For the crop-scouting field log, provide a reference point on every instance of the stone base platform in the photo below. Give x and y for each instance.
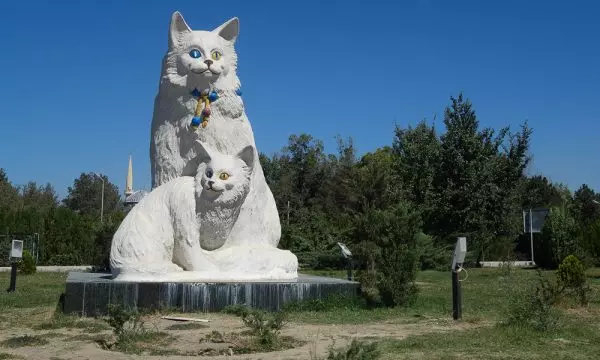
(89, 294)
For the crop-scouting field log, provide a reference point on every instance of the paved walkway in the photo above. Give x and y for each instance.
(54, 268)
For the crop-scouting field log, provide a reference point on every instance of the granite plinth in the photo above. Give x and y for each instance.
(89, 294)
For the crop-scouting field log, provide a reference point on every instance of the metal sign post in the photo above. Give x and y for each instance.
(460, 250)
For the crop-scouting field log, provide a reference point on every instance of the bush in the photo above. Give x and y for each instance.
(27, 265)
(398, 261)
(534, 306)
(571, 276)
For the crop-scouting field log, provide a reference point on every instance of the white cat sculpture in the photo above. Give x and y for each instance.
(179, 225)
(211, 214)
(204, 63)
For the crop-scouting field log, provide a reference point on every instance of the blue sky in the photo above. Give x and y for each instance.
(79, 78)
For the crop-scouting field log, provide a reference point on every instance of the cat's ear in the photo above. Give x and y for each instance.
(229, 30)
(204, 152)
(247, 156)
(178, 27)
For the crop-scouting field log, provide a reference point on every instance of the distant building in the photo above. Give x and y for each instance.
(132, 197)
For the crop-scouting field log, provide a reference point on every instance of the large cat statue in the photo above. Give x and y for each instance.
(177, 231)
(203, 62)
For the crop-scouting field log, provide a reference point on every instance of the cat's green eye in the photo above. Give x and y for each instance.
(224, 176)
(216, 55)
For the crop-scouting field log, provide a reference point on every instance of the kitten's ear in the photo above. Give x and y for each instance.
(247, 156)
(229, 30)
(204, 152)
(178, 27)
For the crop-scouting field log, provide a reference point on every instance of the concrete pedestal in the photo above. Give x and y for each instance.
(89, 294)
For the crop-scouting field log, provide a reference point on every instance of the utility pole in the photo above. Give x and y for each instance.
(102, 203)
(101, 200)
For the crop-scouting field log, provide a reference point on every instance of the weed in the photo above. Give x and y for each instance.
(129, 330)
(265, 326)
(357, 350)
(214, 337)
(25, 340)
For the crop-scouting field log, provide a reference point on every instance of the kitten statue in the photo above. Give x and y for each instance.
(162, 234)
(207, 61)
(181, 224)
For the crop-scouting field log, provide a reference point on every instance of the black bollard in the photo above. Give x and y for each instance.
(13, 278)
(456, 296)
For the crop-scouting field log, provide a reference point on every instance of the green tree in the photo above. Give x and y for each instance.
(417, 152)
(558, 238)
(69, 238)
(585, 210)
(85, 196)
(538, 191)
(39, 197)
(477, 183)
(9, 194)
(370, 191)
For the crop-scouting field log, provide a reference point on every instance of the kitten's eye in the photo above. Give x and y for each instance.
(216, 55)
(195, 53)
(209, 173)
(224, 176)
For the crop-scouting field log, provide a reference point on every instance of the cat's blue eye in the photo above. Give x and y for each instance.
(195, 53)
(209, 173)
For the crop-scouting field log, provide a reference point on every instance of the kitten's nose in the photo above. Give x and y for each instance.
(208, 62)
(210, 183)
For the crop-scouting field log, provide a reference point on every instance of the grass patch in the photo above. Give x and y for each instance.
(86, 337)
(60, 321)
(7, 356)
(36, 290)
(25, 340)
(483, 297)
(140, 342)
(187, 326)
(500, 342)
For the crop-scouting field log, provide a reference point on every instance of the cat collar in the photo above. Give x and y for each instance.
(201, 115)
(205, 97)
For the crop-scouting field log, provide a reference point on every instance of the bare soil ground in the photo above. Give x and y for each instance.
(81, 342)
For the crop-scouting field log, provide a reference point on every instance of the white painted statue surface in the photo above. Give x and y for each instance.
(211, 214)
